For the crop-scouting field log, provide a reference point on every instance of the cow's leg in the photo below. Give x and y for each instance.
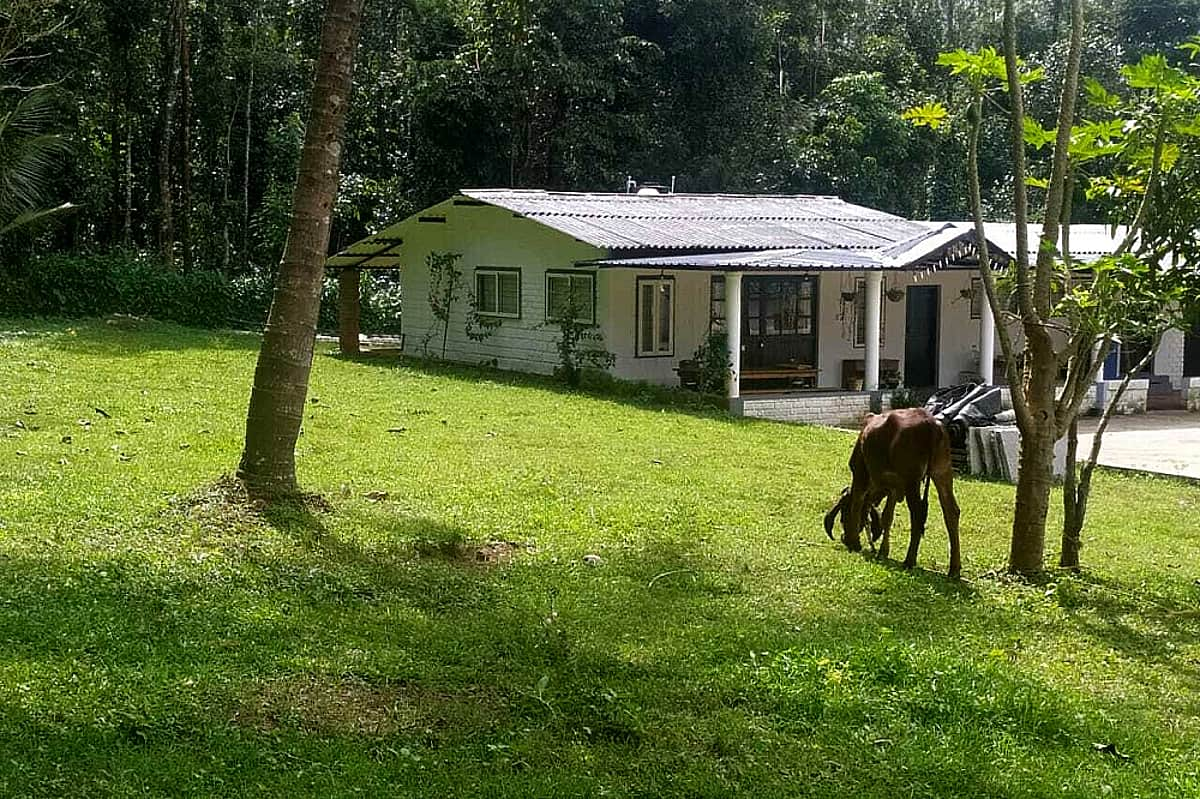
(889, 512)
(918, 511)
(872, 513)
(944, 482)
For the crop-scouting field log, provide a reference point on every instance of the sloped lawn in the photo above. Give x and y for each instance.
(431, 626)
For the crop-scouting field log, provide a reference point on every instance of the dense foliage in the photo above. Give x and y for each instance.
(74, 286)
(183, 118)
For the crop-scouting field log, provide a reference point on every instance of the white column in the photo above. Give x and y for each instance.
(987, 341)
(874, 315)
(733, 331)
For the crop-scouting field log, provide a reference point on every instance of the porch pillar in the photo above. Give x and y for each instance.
(987, 342)
(348, 311)
(874, 315)
(733, 332)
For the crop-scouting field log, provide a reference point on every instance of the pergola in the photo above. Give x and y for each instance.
(376, 252)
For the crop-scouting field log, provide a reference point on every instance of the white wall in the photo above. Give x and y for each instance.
(488, 236)
(958, 333)
(493, 237)
(619, 300)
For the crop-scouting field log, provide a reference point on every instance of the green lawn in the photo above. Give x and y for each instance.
(160, 639)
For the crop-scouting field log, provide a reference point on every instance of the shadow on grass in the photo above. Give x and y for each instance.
(122, 337)
(601, 387)
(1140, 627)
(661, 670)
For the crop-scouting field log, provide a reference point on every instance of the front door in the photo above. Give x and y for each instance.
(921, 337)
(1191, 353)
(779, 325)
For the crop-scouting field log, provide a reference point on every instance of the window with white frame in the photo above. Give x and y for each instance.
(860, 313)
(656, 316)
(498, 293)
(567, 290)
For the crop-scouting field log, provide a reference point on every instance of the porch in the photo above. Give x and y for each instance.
(824, 335)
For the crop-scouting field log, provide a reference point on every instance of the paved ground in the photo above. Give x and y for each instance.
(1165, 442)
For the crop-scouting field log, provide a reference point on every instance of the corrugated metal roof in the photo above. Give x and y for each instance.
(705, 221)
(937, 246)
(1088, 242)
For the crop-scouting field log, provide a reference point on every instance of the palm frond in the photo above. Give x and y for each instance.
(32, 216)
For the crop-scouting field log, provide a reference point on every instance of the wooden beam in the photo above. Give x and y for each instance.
(348, 310)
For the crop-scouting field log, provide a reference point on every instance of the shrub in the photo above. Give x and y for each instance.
(97, 284)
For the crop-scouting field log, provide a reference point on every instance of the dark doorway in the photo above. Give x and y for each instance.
(921, 337)
(1191, 353)
(779, 324)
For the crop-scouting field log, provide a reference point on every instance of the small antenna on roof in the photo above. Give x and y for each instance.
(630, 184)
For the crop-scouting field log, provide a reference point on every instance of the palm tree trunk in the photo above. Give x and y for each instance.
(268, 466)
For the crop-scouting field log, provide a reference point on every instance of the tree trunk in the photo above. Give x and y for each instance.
(185, 139)
(348, 311)
(246, 162)
(166, 112)
(1072, 541)
(1077, 488)
(268, 465)
(1036, 463)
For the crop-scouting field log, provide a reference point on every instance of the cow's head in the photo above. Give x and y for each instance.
(852, 528)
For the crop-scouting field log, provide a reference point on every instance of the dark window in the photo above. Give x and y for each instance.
(498, 292)
(564, 289)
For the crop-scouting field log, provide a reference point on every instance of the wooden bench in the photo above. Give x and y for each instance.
(796, 376)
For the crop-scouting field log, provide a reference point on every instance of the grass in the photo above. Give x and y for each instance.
(161, 638)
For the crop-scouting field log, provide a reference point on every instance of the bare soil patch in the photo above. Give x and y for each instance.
(350, 706)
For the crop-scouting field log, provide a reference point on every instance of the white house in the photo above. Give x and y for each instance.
(834, 301)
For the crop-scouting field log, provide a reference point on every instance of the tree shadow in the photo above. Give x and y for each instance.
(123, 337)
(645, 396)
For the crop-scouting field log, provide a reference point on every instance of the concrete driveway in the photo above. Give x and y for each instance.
(1164, 442)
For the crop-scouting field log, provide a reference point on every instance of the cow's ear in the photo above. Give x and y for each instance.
(832, 515)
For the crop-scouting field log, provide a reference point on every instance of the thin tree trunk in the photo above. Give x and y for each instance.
(268, 465)
(1075, 501)
(1072, 542)
(117, 113)
(246, 152)
(226, 211)
(185, 139)
(127, 227)
(166, 111)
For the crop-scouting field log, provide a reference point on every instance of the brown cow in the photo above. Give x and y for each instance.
(896, 451)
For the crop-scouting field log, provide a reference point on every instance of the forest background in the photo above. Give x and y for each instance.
(173, 129)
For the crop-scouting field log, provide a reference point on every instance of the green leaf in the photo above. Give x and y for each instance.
(933, 115)
(1037, 136)
(1153, 72)
(1037, 183)
(1100, 97)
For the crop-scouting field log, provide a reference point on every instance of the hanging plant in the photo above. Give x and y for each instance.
(895, 294)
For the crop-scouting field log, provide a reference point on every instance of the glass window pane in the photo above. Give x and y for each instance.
(647, 317)
(558, 293)
(485, 292)
(581, 292)
(664, 317)
(509, 291)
